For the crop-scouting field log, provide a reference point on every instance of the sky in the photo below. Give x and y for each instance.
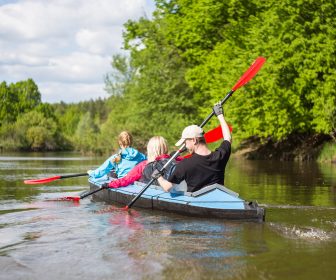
(65, 46)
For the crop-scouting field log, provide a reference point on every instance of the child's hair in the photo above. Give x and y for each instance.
(156, 146)
(125, 139)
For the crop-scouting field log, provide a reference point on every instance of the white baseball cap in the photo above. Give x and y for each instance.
(191, 131)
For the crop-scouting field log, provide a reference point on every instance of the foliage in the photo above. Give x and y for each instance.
(328, 152)
(185, 59)
(190, 52)
(32, 131)
(17, 98)
(86, 134)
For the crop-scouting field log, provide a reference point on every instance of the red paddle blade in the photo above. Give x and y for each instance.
(250, 73)
(215, 134)
(212, 135)
(41, 181)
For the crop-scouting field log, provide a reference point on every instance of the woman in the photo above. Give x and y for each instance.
(122, 162)
(157, 156)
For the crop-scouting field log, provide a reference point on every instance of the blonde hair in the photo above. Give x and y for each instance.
(125, 139)
(156, 146)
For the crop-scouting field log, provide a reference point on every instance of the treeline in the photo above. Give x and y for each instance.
(186, 58)
(192, 52)
(27, 124)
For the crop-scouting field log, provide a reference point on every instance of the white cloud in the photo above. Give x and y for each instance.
(71, 92)
(64, 46)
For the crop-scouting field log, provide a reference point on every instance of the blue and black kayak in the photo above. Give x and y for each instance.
(214, 201)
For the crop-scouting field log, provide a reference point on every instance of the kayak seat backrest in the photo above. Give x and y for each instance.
(179, 189)
(141, 184)
(207, 189)
(182, 187)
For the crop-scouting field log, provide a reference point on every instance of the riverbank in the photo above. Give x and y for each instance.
(296, 147)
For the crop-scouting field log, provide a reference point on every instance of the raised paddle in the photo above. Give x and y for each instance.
(50, 179)
(247, 76)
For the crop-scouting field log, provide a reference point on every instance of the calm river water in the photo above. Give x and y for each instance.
(42, 239)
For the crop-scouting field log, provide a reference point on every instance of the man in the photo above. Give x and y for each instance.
(204, 167)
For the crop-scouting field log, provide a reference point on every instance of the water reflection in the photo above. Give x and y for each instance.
(91, 240)
(291, 183)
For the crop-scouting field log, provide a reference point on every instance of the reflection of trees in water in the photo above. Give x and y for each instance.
(17, 167)
(298, 183)
(329, 173)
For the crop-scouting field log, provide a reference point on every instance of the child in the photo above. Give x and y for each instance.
(122, 162)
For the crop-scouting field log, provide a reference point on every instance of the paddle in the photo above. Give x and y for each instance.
(247, 76)
(50, 179)
(215, 134)
(77, 198)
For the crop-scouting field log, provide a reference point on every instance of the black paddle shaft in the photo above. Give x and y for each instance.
(180, 150)
(73, 175)
(176, 153)
(212, 113)
(90, 193)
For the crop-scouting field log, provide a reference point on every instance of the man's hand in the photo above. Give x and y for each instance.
(218, 109)
(157, 174)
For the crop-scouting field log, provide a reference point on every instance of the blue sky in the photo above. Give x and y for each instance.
(65, 46)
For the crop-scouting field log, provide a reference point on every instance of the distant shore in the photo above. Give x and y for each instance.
(297, 147)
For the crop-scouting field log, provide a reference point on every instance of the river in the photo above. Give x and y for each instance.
(41, 238)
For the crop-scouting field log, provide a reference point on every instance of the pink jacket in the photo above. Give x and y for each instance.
(131, 177)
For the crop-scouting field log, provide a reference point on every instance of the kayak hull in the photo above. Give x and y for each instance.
(211, 202)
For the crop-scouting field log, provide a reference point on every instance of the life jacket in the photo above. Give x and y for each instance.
(158, 163)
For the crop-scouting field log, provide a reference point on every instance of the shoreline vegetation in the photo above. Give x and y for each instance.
(181, 61)
(298, 147)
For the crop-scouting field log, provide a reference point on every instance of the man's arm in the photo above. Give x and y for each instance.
(225, 128)
(218, 110)
(165, 184)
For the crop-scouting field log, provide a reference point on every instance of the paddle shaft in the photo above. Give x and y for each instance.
(73, 175)
(180, 150)
(90, 193)
(129, 205)
(212, 113)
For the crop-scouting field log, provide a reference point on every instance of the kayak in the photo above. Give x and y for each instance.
(215, 201)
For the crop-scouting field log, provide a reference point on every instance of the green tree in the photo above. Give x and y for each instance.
(37, 132)
(86, 134)
(191, 52)
(17, 98)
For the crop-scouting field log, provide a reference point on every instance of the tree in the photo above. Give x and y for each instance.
(17, 99)
(39, 132)
(190, 51)
(86, 134)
